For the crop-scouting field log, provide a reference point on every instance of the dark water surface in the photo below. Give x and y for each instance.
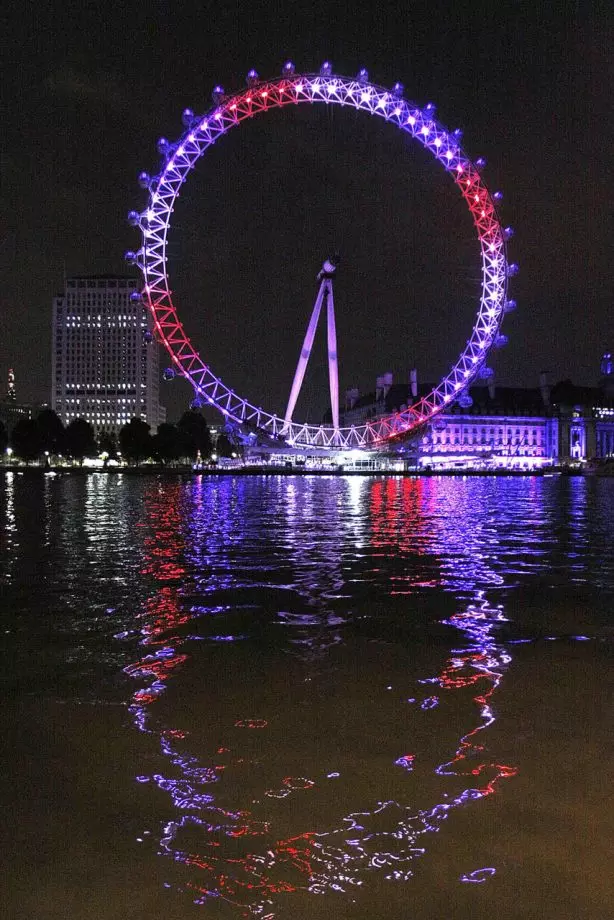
(307, 698)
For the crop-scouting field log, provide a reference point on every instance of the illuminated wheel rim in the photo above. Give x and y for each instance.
(292, 89)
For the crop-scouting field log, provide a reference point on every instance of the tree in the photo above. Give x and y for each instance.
(4, 439)
(223, 447)
(135, 440)
(79, 439)
(51, 432)
(194, 435)
(166, 443)
(107, 444)
(26, 440)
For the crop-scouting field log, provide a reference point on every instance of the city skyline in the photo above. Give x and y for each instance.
(546, 141)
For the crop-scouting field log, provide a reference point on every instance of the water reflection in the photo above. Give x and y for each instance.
(9, 545)
(329, 717)
(207, 542)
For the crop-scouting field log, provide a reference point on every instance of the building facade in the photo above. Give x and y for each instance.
(502, 426)
(105, 361)
(12, 411)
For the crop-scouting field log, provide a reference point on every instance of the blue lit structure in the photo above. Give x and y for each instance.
(325, 87)
(504, 426)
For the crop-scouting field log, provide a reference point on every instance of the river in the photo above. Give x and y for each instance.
(306, 697)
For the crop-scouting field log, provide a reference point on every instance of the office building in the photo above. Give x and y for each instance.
(105, 361)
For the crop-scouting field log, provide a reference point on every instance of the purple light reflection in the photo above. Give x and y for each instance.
(386, 836)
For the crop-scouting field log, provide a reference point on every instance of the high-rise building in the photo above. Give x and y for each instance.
(11, 393)
(105, 361)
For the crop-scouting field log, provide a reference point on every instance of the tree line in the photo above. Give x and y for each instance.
(45, 437)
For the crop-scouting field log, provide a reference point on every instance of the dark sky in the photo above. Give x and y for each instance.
(89, 87)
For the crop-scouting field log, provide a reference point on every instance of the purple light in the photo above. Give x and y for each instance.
(478, 875)
(430, 702)
(276, 93)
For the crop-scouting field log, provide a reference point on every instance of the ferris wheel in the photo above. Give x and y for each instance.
(260, 96)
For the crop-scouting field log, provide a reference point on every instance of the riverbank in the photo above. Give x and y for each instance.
(154, 470)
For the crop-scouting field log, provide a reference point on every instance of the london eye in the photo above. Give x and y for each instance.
(154, 221)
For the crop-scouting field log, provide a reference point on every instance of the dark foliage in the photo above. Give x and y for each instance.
(135, 441)
(107, 444)
(224, 448)
(51, 431)
(79, 440)
(26, 440)
(167, 443)
(194, 435)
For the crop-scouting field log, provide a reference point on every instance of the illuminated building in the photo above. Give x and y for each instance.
(503, 426)
(12, 411)
(10, 390)
(104, 358)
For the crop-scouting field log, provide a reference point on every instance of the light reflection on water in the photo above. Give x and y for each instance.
(314, 664)
(324, 524)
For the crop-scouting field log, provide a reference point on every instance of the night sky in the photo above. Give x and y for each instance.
(89, 88)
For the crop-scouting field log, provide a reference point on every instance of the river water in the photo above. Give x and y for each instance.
(312, 698)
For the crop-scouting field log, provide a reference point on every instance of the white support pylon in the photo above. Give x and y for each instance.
(326, 290)
(333, 369)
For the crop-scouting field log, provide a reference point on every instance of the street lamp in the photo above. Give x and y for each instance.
(9, 453)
